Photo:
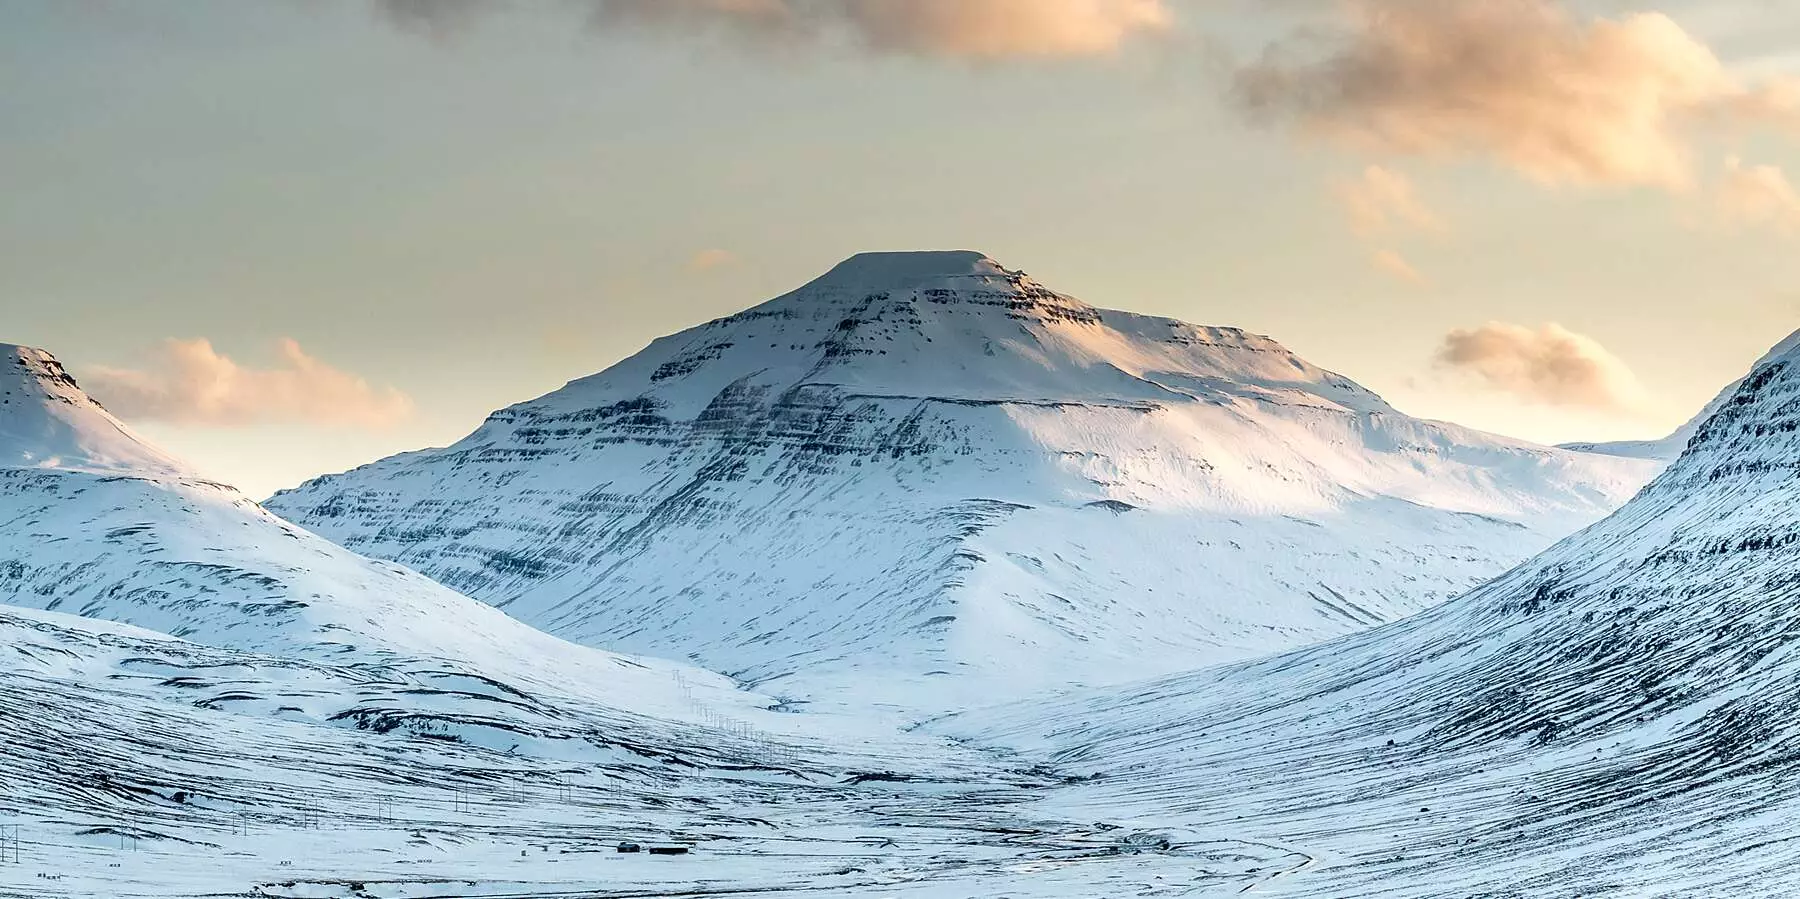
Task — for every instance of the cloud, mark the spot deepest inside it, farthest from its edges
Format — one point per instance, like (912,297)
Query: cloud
(1559,98)
(436,19)
(1394,264)
(1550,365)
(980,30)
(707,260)
(191,383)
(1758,196)
(1380,200)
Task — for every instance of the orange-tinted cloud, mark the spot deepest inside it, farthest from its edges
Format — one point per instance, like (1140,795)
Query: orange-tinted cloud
(707,260)
(1380,200)
(191,383)
(1758,196)
(1559,98)
(982,30)
(1390,262)
(1550,365)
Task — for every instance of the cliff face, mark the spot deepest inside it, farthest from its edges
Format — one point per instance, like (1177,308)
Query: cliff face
(930,473)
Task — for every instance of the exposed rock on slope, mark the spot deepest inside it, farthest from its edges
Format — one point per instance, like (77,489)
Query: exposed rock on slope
(926,473)
(1668,448)
(1616,716)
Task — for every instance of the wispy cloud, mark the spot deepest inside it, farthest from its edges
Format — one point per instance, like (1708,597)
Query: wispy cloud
(1550,365)
(1380,200)
(437,19)
(1528,84)
(707,260)
(191,383)
(1390,262)
(981,30)
(1379,204)
(1758,196)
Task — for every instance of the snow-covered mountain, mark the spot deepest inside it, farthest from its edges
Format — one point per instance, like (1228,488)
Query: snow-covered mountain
(927,474)
(48,422)
(329,725)
(1615,717)
(99,524)
(1668,448)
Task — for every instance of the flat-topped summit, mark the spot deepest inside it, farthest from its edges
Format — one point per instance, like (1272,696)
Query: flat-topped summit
(955,326)
(907,269)
(48,421)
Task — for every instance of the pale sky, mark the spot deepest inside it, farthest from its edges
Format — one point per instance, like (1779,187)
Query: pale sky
(367,224)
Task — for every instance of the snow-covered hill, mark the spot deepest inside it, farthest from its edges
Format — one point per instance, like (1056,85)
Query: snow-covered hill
(99,524)
(1615,717)
(933,477)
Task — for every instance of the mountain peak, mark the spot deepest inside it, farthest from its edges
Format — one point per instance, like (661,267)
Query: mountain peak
(925,462)
(909,269)
(48,421)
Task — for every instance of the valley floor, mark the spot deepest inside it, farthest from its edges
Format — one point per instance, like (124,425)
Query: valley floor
(276,809)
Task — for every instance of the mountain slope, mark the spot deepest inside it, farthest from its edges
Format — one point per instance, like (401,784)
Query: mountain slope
(930,475)
(1670,447)
(46,421)
(335,726)
(99,524)
(1616,716)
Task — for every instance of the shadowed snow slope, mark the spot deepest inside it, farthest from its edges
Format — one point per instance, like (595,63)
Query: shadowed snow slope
(935,477)
(1615,717)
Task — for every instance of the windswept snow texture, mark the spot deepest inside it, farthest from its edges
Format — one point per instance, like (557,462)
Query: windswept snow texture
(1670,447)
(1615,717)
(141,766)
(934,478)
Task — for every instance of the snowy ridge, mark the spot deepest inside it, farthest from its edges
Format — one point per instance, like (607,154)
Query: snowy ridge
(1668,448)
(47,421)
(1615,716)
(934,477)
(101,525)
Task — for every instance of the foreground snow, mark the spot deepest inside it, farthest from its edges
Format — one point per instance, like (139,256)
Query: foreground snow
(155,767)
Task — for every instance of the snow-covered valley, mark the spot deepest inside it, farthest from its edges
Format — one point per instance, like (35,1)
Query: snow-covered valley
(329,725)
(201,698)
